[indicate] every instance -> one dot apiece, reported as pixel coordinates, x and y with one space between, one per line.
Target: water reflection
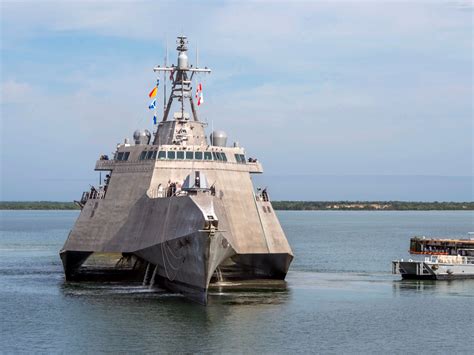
434 287
258 292
158 314
249 292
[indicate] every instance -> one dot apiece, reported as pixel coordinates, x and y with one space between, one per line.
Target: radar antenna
181 88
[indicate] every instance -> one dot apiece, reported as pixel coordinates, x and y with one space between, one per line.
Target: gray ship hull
172 243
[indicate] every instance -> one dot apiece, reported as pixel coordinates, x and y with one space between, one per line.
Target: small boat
443 259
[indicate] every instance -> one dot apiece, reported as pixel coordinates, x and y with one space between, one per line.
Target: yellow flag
153 92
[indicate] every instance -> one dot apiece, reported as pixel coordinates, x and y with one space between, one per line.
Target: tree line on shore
37 205
371 205
282 205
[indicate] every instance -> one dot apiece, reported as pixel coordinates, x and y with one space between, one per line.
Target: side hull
265 266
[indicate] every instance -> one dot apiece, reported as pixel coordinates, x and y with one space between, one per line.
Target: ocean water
340 296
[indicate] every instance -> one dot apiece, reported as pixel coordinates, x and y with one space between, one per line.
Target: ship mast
180 80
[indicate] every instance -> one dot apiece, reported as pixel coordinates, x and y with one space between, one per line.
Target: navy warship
177 208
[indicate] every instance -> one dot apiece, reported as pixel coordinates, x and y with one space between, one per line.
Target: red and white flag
199 96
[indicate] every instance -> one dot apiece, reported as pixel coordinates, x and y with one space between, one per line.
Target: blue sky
349 100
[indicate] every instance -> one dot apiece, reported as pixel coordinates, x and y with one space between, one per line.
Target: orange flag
153 92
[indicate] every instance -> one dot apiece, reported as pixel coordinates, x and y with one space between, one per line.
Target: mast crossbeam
181 84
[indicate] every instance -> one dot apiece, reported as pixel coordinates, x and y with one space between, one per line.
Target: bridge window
216 156
171 154
198 155
189 155
149 154
180 155
143 155
207 156
122 156
240 158
162 154
154 155
223 157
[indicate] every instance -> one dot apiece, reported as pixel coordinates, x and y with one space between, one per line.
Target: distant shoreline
285 205
372 206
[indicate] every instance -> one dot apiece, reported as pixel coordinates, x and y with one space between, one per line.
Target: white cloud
15 92
237 27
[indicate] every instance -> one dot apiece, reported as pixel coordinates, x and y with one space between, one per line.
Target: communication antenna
165 78
197 55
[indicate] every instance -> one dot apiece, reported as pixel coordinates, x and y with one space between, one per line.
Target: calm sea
340 295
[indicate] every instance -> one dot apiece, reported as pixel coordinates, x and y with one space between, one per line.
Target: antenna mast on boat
165 78
181 83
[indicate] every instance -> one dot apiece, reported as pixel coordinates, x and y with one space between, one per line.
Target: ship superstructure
177 208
